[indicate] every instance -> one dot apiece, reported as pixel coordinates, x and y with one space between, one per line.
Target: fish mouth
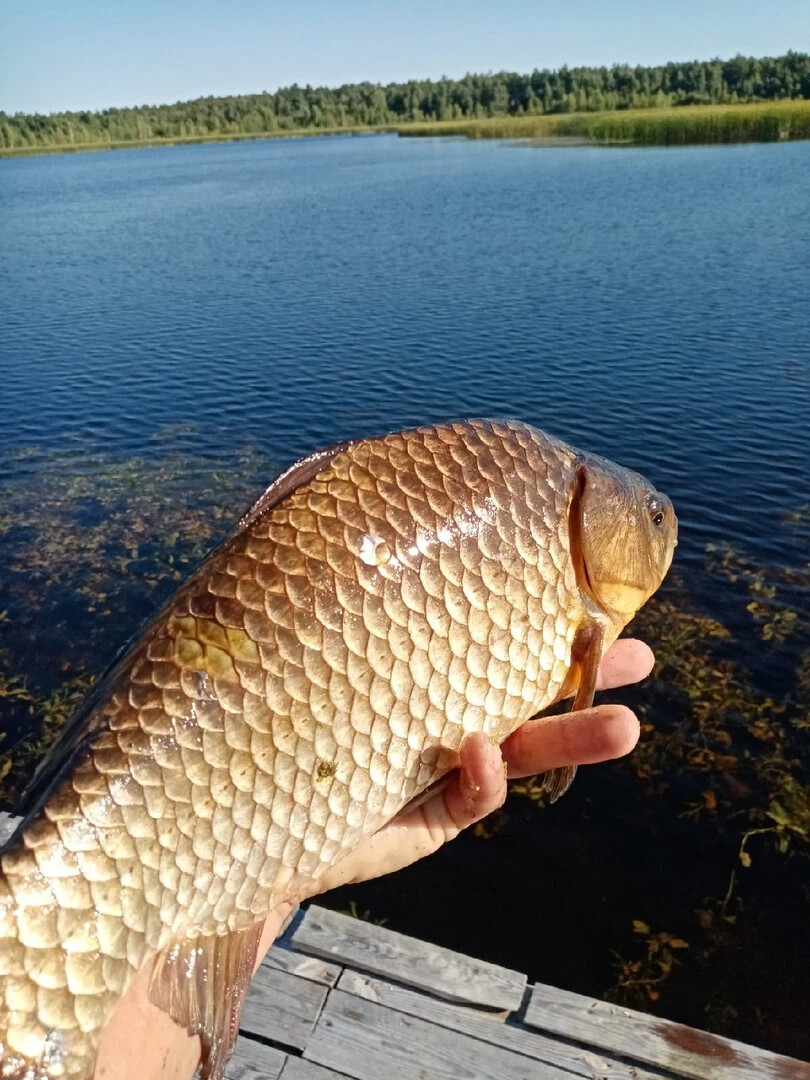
622 598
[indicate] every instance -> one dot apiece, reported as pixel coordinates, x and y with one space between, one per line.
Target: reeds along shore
182 140
764 122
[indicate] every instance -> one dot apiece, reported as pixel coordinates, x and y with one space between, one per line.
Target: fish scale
318 672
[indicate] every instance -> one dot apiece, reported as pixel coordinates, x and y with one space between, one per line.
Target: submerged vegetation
504 96
708 822
86 559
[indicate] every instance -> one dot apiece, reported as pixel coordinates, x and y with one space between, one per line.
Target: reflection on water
183 322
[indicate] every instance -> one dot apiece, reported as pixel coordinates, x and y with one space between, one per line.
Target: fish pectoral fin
201 982
586 652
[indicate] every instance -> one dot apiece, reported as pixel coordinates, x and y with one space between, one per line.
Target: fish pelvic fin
557 781
201 982
586 653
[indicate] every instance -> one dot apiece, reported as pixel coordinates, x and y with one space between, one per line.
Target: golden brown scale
318 672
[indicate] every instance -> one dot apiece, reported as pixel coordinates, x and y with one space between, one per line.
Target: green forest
475 97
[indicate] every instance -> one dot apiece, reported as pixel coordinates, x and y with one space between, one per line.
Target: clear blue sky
75 54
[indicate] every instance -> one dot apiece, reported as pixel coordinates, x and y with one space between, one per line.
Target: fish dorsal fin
201 982
75 737
285 483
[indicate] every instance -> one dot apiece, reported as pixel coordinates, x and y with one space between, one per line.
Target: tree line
567 90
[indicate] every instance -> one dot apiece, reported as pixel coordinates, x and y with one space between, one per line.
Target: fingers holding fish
590 735
627 661
476 790
457 801
478 787
579 738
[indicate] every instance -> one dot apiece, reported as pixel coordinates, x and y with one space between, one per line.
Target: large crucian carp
319 671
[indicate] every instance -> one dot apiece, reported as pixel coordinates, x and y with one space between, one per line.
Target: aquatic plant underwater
702 930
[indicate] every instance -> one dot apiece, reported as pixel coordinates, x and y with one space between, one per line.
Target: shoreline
671 126
185 140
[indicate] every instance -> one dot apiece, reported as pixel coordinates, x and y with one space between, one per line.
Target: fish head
623 536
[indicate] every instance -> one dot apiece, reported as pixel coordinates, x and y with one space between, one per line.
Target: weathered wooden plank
8 823
301 1069
660 1043
253 1061
490 1027
367 1042
306 967
282 1007
408 960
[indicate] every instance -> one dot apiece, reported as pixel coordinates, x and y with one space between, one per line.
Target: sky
92 54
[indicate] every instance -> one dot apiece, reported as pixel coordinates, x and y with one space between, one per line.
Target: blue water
652 305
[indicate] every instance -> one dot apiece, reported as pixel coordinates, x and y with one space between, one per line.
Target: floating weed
364 914
531 788
89 554
803 676
789 809
705 805
775 625
642 975
491 825
13 687
48 716
737 738
776 620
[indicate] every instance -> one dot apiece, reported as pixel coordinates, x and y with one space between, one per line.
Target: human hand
143 1042
479 786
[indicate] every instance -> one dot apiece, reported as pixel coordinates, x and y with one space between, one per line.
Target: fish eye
656 508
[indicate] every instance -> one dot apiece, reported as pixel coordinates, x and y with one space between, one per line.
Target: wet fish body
320 670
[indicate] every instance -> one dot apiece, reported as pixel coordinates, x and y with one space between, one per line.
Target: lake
179 323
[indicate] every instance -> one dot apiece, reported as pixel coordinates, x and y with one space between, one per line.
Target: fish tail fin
201 982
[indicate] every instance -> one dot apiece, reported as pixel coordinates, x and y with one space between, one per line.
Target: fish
383 599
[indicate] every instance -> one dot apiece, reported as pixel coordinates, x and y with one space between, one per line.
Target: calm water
651 305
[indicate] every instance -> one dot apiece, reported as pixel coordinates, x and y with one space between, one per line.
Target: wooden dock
338 998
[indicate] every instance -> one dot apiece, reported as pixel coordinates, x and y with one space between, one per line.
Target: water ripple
650 305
